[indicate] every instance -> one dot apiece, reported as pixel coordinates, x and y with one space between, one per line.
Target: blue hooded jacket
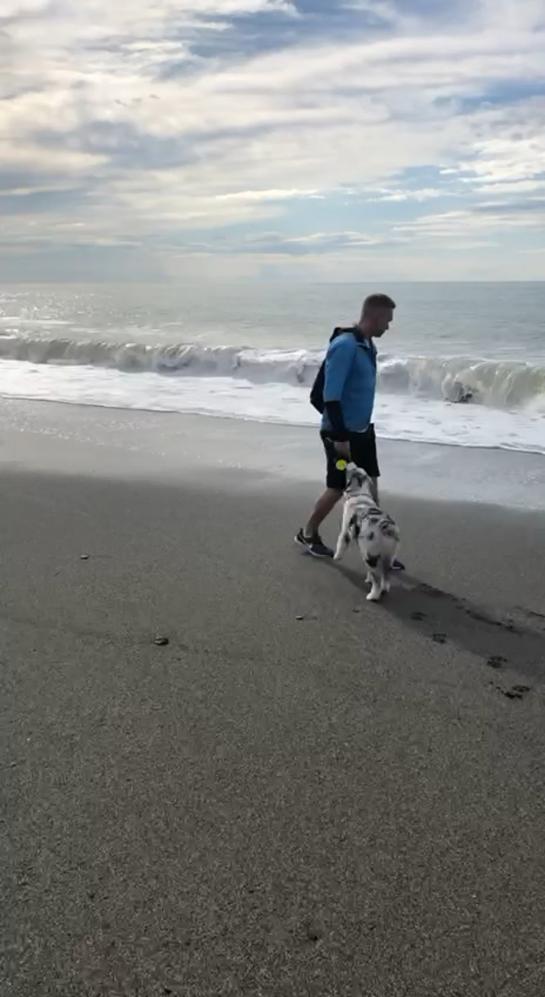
350 379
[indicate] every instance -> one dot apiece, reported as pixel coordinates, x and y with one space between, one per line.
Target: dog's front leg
344 536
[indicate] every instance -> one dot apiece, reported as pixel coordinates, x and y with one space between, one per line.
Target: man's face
381 319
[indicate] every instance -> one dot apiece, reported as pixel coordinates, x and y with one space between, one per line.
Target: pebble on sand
161 641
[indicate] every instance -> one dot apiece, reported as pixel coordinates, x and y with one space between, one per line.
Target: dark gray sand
299 794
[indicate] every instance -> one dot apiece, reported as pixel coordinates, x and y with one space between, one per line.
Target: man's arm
340 357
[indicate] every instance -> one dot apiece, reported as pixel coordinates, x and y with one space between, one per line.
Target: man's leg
309 537
327 501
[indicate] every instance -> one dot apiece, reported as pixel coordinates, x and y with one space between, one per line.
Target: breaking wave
502 384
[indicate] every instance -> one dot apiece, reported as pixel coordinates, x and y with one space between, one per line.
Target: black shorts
363 448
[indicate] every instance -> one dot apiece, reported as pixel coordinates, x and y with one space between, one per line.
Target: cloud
510 148
406 194
312 244
492 219
166 119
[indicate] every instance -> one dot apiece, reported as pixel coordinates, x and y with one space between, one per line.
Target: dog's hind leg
376 577
387 562
386 571
376 586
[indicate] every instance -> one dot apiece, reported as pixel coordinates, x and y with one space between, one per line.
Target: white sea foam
404 416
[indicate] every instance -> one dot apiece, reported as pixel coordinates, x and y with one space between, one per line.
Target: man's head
377 314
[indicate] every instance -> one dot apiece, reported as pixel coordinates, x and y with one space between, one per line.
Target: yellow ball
341 465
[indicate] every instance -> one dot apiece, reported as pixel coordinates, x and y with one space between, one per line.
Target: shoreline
254 421
54 435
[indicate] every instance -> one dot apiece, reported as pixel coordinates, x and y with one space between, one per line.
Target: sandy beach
300 794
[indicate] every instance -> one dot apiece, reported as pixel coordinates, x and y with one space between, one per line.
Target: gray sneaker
313 545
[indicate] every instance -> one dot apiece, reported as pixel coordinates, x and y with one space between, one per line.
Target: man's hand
343 450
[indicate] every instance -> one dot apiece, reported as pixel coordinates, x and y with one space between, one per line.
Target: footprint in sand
439 638
496 661
516 692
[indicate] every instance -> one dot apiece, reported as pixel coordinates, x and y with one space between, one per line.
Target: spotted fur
375 532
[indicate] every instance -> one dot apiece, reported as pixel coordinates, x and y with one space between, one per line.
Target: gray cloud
276 243
528 205
39 202
310 245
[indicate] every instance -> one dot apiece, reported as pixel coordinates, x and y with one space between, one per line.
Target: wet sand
299 794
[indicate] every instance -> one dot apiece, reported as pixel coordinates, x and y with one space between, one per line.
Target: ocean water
463 364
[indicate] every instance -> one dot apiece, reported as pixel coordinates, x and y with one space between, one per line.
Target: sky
322 140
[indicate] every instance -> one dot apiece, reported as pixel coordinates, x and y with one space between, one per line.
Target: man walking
349 383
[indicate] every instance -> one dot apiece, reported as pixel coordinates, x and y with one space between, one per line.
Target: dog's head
357 481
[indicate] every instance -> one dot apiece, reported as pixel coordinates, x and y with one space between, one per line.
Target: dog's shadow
515 640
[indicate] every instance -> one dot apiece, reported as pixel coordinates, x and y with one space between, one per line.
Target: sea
463 363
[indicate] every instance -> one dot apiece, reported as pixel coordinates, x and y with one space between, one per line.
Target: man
348 398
